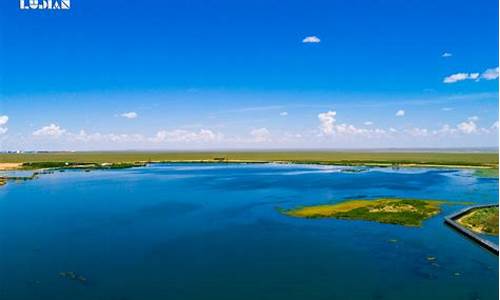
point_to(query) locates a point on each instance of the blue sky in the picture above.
(249, 74)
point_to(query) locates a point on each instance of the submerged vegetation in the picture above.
(487, 172)
(407, 212)
(73, 276)
(481, 220)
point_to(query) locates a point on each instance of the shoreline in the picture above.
(486, 170)
(109, 165)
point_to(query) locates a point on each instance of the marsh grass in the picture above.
(482, 220)
(486, 172)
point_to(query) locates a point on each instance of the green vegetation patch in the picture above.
(487, 172)
(407, 212)
(481, 220)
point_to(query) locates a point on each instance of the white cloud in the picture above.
(346, 129)
(261, 135)
(400, 113)
(447, 54)
(284, 114)
(326, 120)
(467, 127)
(456, 77)
(473, 76)
(445, 130)
(51, 130)
(328, 127)
(490, 74)
(4, 119)
(179, 135)
(130, 115)
(311, 39)
(368, 123)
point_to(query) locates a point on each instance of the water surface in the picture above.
(214, 231)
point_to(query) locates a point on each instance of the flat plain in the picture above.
(460, 159)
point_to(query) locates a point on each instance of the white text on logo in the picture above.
(44, 4)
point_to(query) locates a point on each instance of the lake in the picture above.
(214, 231)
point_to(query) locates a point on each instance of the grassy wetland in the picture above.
(481, 220)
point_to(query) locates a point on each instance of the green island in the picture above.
(481, 220)
(400, 211)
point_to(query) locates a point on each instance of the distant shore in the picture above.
(484, 164)
(481, 160)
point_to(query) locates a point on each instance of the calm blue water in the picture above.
(198, 231)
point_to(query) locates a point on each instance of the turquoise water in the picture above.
(210, 231)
